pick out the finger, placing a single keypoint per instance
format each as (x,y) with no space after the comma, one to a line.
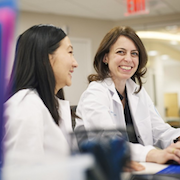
(174,157)
(127,169)
(175,145)
(173,150)
(176,152)
(137,166)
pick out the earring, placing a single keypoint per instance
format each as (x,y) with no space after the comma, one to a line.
(105,63)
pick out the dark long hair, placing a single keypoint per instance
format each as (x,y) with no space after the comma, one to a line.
(32,69)
(104,47)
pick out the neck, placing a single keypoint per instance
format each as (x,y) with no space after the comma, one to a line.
(120,86)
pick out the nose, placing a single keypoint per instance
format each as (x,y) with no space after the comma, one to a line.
(75,64)
(128,57)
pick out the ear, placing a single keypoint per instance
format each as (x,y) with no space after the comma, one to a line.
(51,57)
(105,59)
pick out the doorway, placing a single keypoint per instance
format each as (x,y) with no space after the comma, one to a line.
(171,104)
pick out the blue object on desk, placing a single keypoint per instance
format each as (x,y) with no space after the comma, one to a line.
(171,169)
(111,154)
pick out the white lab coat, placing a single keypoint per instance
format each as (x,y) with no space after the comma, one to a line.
(30,131)
(100,108)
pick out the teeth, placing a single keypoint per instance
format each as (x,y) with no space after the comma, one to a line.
(126,67)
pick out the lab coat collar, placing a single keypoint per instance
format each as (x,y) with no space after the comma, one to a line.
(130,84)
(108,82)
(131,89)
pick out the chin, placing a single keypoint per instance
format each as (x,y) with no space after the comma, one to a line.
(68,84)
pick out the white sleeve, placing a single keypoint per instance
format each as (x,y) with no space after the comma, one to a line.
(94,109)
(24,128)
(163,133)
(139,152)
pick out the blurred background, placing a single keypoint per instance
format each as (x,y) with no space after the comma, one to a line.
(157,22)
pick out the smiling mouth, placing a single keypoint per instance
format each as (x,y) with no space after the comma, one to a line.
(125,67)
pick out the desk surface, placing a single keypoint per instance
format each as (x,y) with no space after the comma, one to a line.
(151,168)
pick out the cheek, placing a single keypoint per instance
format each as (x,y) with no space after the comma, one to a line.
(58,70)
(136,61)
(114,62)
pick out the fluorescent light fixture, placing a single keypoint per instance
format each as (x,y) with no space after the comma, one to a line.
(165,57)
(152,53)
(158,35)
(174,42)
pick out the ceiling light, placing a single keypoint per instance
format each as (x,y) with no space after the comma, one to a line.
(152,53)
(165,57)
(158,35)
(174,42)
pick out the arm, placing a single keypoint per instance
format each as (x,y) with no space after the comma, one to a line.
(24,128)
(163,134)
(96,111)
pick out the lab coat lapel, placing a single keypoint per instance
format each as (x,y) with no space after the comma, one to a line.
(136,111)
(110,85)
(117,104)
(65,114)
(133,98)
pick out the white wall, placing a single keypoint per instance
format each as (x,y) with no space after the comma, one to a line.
(82,53)
(172,79)
(78,28)
(167,74)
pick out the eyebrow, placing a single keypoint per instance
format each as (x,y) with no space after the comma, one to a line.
(70,46)
(125,49)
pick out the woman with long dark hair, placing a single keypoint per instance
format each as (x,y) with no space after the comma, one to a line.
(37,119)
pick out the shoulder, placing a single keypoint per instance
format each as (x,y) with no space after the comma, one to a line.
(132,87)
(25,97)
(25,103)
(97,91)
(104,85)
(97,88)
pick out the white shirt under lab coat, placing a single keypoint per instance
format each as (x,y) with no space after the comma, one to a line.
(100,108)
(30,131)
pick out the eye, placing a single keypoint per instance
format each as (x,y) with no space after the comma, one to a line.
(134,54)
(71,52)
(121,52)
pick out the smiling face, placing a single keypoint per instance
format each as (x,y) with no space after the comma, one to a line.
(63,64)
(122,59)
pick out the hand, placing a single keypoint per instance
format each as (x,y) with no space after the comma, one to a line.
(172,152)
(134,166)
